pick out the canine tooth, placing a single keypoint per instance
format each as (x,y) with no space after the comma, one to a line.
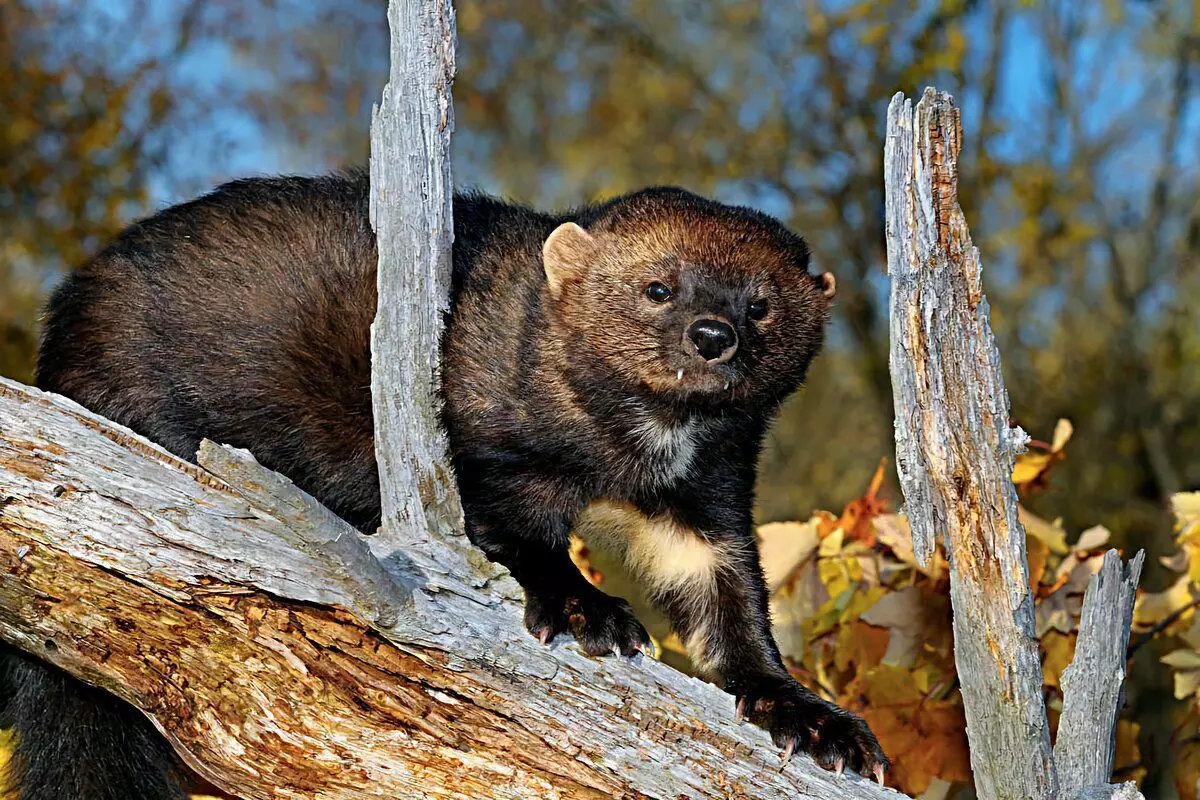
(679,375)
(726,385)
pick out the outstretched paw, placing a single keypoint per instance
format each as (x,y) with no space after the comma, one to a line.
(600,623)
(801,722)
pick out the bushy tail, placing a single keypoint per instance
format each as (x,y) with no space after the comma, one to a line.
(75,741)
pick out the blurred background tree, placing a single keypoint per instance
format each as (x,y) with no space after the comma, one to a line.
(1082,164)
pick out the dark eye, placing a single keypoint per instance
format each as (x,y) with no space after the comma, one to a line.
(757,310)
(659,292)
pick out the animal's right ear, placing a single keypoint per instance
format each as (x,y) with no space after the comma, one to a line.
(566,254)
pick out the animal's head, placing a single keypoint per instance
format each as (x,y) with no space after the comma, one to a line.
(697,301)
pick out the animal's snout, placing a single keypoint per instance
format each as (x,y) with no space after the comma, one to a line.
(714,339)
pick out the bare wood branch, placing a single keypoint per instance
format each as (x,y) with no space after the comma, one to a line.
(257,633)
(1094,684)
(955,449)
(412,213)
(369,590)
(954,455)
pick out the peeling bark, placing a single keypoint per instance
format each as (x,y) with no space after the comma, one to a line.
(954,455)
(413,216)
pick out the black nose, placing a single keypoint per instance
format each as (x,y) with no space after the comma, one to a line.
(714,339)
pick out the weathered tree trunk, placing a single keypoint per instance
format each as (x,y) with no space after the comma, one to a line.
(954,454)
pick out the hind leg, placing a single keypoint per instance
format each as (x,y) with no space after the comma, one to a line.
(76,742)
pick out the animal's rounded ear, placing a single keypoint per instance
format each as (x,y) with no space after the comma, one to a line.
(566,254)
(828,285)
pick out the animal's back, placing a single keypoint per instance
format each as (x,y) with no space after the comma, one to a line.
(243,317)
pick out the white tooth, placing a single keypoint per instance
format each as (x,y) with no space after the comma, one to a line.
(679,376)
(726,385)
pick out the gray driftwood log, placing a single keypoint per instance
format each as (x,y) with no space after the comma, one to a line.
(287,656)
(954,455)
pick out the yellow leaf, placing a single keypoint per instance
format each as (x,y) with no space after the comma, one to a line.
(859,602)
(1093,538)
(1029,466)
(1186,683)
(1153,607)
(1052,534)
(1062,435)
(784,546)
(831,545)
(1182,659)
(1037,552)
(1186,508)
(1060,649)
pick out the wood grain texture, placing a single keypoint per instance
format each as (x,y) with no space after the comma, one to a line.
(287,656)
(955,449)
(954,455)
(412,212)
(1094,683)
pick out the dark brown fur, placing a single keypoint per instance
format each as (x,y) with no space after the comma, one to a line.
(244,317)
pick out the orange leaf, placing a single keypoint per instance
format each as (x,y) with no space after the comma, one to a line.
(924,738)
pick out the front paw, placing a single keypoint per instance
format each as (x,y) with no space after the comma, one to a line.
(600,623)
(799,721)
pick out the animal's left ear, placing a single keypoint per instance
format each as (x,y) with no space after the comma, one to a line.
(828,285)
(566,254)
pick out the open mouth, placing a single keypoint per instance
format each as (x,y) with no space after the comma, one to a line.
(705,378)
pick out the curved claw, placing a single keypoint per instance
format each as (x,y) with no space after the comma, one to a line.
(544,635)
(740,713)
(616,650)
(878,771)
(788,750)
(839,765)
